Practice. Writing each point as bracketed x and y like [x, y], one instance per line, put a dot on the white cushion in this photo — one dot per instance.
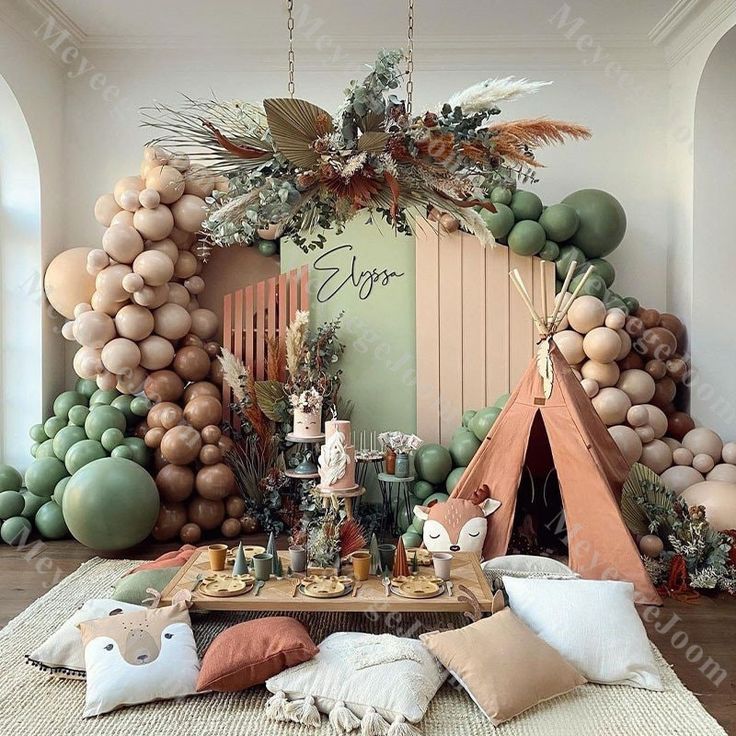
[527, 563]
[591, 623]
[395, 676]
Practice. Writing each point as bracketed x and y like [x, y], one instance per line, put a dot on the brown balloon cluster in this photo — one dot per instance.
[146, 274]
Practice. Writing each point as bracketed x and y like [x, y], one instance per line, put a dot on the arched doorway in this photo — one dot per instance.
[714, 243]
[21, 300]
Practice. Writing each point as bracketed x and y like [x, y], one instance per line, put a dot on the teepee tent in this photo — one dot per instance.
[590, 468]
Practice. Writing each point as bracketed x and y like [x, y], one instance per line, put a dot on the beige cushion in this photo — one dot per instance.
[504, 666]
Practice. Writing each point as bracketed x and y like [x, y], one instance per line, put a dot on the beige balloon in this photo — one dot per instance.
[627, 441]
[656, 455]
[728, 453]
[106, 208]
[166, 246]
[109, 282]
[152, 296]
[124, 218]
[149, 198]
[186, 265]
[657, 420]
[134, 322]
[133, 282]
[94, 329]
[129, 200]
[602, 344]
[703, 463]
[167, 181]
[705, 440]
[122, 243]
[205, 323]
[615, 318]
[586, 313]
[182, 238]
[96, 261]
[100, 303]
[131, 382]
[171, 321]
[156, 353]
[570, 344]
[155, 267]
[189, 212]
[682, 456]
[87, 362]
[66, 281]
[638, 385]
[106, 381]
[679, 477]
[178, 294]
[154, 224]
[637, 416]
[121, 355]
[625, 344]
[719, 499]
[611, 405]
[590, 387]
[646, 433]
[606, 374]
[199, 181]
[723, 471]
[127, 183]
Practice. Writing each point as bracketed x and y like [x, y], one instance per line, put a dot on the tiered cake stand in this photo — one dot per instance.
[308, 447]
[347, 494]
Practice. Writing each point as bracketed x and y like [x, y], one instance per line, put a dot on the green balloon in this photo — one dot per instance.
[101, 396]
[65, 438]
[268, 247]
[122, 451]
[404, 517]
[59, 489]
[526, 205]
[50, 522]
[110, 504]
[11, 504]
[604, 269]
[138, 447]
[527, 238]
[602, 221]
[34, 449]
[43, 474]
[482, 422]
[411, 539]
[78, 415]
[45, 449]
[417, 525]
[613, 300]
[550, 252]
[111, 438]
[632, 303]
[467, 416]
[82, 453]
[594, 286]
[86, 387]
[453, 478]
[499, 222]
[568, 254]
[463, 447]
[103, 417]
[501, 195]
[122, 403]
[52, 425]
[140, 406]
[66, 401]
[10, 478]
[501, 401]
[436, 498]
[32, 503]
[560, 221]
[37, 434]
[15, 530]
[433, 463]
[423, 490]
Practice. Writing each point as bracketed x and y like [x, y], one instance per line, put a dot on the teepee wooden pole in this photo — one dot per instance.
[545, 307]
[574, 296]
[563, 291]
[519, 284]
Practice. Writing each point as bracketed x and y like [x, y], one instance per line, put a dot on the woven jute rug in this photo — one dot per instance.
[33, 704]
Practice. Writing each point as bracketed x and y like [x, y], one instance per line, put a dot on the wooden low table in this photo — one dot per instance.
[471, 592]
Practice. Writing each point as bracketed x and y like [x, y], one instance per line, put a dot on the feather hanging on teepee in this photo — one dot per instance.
[544, 366]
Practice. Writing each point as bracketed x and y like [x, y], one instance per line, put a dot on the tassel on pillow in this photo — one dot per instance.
[342, 719]
[303, 711]
[373, 724]
[400, 727]
[275, 706]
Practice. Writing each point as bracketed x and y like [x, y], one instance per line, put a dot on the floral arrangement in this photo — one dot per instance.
[295, 169]
[307, 401]
[331, 536]
[400, 442]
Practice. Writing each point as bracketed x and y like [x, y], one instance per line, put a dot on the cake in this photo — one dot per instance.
[307, 415]
[337, 458]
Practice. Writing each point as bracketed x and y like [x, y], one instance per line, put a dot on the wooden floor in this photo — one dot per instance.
[698, 639]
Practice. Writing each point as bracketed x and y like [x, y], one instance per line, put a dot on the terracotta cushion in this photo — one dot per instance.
[175, 558]
[249, 653]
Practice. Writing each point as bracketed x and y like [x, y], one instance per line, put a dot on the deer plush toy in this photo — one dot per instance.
[458, 524]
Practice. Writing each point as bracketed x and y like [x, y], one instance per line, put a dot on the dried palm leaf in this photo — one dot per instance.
[272, 400]
[373, 141]
[641, 481]
[295, 125]
[352, 537]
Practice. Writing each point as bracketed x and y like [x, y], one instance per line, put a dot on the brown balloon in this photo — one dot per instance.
[175, 483]
[203, 411]
[656, 369]
[201, 388]
[163, 386]
[181, 445]
[171, 519]
[154, 436]
[650, 317]
[679, 424]
[154, 415]
[215, 374]
[190, 533]
[191, 363]
[234, 506]
[141, 429]
[634, 326]
[664, 392]
[211, 434]
[210, 454]
[230, 528]
[676, 369]
[206, 513]
[657, 342]
[632, 360]
[225, 444]
[215, 482]
[212, 348]
[159, 461]
[192, 340]
[673, 324]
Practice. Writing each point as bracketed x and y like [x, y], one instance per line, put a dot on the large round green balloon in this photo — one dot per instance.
[82, 453]
[37, 434]
[499, 222]
[45, 449]
[467, 416]
[550, 252]
[52, 425]
[560, 221]
[66, 400]
[463, 446]
[65, 438]
[86, 387]
[101, 418]
[594, 286]
[123, 404]
[43, 474]
[59, 489]
[501, 195]
[50, 522]
[411, 539]
[433, 463]
[568, 254]
[138, 449]
[101, 397]
[602, 221]
[526, 205]
[11, 504]
[482, 422]
[32, 503]
[78, 415]
[527, 238]
[110, 504]
[10, 478]
[453, 478]
[15, 530]
[423, 490]
[604, 269]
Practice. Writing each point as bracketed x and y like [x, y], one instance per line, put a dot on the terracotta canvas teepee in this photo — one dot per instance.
[590, 468]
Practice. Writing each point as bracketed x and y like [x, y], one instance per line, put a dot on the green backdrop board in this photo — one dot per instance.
[368, 273]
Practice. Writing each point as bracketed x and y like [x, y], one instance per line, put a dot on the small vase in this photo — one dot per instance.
[402, 465]
[389, 461]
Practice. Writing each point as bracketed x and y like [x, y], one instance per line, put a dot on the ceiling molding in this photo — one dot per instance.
[671, 20]
[44, 9]
[713, 13]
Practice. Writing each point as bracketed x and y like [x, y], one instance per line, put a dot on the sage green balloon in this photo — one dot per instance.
[550, 252]
[50, 523]
[122, 451]
[268, 247]
[101, 418]
[140, 406]
[123, 403]
[37, 434]
[432, 463]
[111, 438]
[404, 517]
[10, 478]
[411, 539]
[614, 301]
[594, 286]
[604, 269]
[32, 503]
[453, 478]
[423, 490]
[463, 447]
[417, 525]
[499, 222]
[102, 396]
[602, 221]
[11, 504]
[52, 425]
[482, 422]
[526, 205]
[467, 416]
[502, 400]
[43, 474]
[82, 453]
[66, 400]
[501, 195]
[568, 254]
[59, 489]
[138, 447]
[45, 449]
[34, 449]
[437, 498]
[560, 221]
[632, 303]
[65, 438]
[78, 415]
[86, 387]
[15, 530]
[527, 238]
[110, 504]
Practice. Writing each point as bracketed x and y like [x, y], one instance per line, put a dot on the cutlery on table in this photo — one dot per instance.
[296, 588]
[356, 588]
[448, 585]
[387, 586]
[196, 582]
[258, 586]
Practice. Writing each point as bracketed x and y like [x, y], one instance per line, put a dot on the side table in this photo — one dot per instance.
[403, 486]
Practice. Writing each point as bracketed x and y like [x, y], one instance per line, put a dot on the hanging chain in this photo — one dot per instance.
[410, 59]
[290, 26]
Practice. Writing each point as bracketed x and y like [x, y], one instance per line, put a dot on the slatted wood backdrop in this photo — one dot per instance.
[258, 312]
[474, 335]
